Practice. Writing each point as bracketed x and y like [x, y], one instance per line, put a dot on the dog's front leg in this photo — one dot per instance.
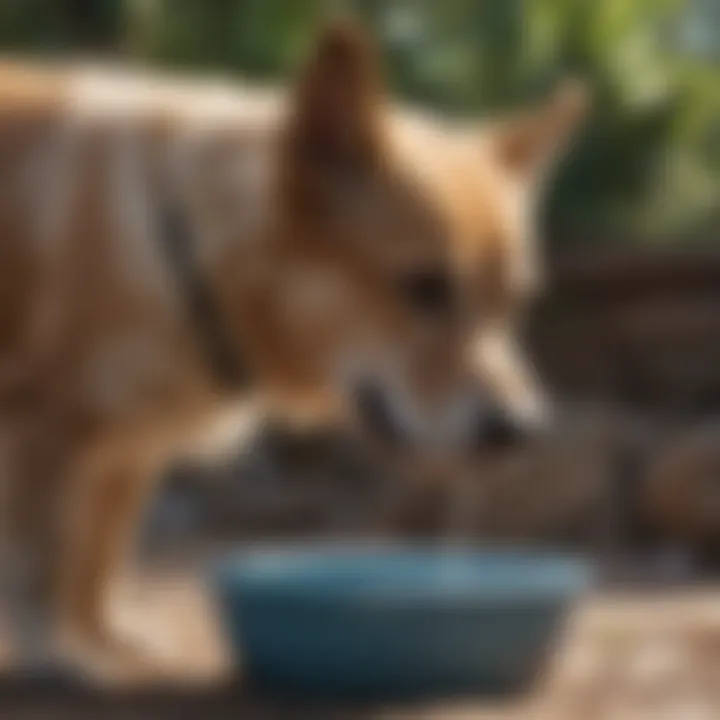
[108, 488]
[34, 460]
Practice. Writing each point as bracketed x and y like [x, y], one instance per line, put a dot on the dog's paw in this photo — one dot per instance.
[111, 660]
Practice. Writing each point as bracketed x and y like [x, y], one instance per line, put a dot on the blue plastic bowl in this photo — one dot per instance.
[394, 622]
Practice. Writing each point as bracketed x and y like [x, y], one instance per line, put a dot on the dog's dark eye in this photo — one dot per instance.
[430, 291]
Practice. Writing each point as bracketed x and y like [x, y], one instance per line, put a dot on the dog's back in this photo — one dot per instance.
[85, 154]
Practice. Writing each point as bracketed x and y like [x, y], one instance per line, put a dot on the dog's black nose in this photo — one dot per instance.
[375, 413]
[500, 431]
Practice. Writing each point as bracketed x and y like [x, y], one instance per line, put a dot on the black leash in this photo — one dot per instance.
[221, 353]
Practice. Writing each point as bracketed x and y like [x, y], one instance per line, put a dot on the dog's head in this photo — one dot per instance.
[412, 239]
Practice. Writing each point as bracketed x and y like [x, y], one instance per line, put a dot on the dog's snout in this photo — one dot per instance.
[501, 431]
[457, 426]
[375, 413]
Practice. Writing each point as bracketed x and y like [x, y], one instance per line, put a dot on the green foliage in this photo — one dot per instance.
[256, 37]
[48, 27]
[648, 165]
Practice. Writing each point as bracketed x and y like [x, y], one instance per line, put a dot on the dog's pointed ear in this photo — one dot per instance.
[335, 115]
[530, 143]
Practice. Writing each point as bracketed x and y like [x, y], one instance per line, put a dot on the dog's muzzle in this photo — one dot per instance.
[487, 429]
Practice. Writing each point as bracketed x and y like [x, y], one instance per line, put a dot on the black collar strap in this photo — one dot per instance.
[220, 351]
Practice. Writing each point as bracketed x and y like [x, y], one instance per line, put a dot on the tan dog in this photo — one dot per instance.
[356, 256]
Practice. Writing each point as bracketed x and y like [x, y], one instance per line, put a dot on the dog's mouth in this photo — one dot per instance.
[466, 427]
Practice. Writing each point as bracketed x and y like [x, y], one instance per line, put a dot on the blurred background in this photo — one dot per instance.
[630, 326]
[648, 170]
